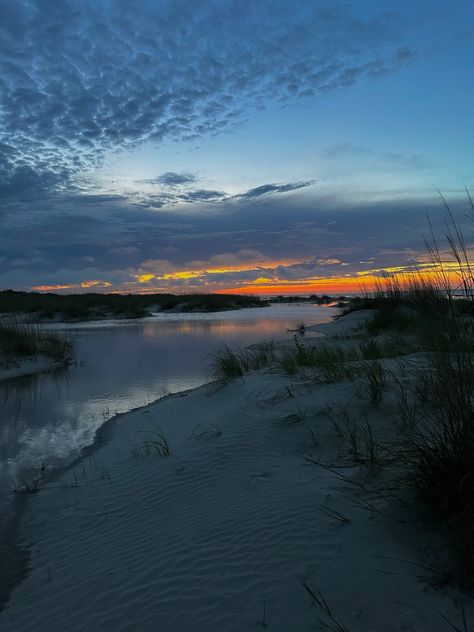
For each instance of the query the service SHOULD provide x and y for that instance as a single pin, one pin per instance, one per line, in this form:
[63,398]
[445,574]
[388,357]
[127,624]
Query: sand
[224,533]
[28,366]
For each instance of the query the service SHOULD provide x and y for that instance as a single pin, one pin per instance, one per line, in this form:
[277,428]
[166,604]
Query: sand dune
[225,532]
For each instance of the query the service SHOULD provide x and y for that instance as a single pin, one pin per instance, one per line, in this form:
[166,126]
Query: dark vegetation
[438,448]
[433,314]
[395,297]
[323,299]
[72,307]
[21,341]
[228,363]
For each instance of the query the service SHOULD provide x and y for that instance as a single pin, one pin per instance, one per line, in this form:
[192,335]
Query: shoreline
[29,368]
[60,320]
[96,313]
[15,558]
[236,495]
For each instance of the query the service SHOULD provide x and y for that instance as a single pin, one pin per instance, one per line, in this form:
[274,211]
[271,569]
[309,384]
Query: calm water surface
[123,364]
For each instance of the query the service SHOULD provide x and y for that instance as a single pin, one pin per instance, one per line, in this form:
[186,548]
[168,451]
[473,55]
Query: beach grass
[228,363]
[434,401]
[328,619]
[375,380]
[437,411]
[19,341]
[330,360]
[155,442]
[439,454]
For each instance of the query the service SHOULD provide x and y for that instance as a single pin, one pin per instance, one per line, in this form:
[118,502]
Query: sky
[260,146]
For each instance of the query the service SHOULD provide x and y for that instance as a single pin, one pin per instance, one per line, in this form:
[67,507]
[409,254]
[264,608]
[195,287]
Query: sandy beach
[23,368]
[237,507]
[236,316]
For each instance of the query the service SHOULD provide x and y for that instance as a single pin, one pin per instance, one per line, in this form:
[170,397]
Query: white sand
[29,366]
[346,324]
[216,536]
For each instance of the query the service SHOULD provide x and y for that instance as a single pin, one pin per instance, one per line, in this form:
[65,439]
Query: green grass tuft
[376,381]
[227,363]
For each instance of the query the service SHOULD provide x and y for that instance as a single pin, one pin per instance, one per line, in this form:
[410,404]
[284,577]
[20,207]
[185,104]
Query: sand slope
[220,534]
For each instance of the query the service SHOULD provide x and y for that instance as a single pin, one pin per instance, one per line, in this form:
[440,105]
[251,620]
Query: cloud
[218,270]
[266,189]
[171,179]
[24,182]
[346,149]
[201,195]
[298,272]
[242,238]
[182,193]
[123,251]
[241,260]
[82,79]
[135,250]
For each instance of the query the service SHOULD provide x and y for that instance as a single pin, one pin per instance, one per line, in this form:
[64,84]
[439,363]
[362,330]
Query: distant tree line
[50,306]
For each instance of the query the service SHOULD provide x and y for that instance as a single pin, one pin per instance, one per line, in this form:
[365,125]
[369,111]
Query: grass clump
[228,363]
[301,328]
[329,619]
[439,453]
[375,381]
[407,409]
[388,318]
[373,349]
[364,448]
[20,341]
[437,411]
[155,443]
[331,361]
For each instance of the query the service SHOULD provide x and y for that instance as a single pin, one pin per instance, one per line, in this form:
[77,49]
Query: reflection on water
[47,419]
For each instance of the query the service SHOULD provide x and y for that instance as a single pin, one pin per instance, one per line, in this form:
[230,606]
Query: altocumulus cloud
[82,78]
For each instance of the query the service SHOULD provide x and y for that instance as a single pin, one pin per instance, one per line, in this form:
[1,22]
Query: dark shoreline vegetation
[19,341]
[316,299]
[47,307]
[417,351]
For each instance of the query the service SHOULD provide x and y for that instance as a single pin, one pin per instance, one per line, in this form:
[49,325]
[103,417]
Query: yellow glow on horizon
[366,280]
[144,278]
[50,288]
[197,273]
[355,282]
[72,286]
[86,284]
[189,274]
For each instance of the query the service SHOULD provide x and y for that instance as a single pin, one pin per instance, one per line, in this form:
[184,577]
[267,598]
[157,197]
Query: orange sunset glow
[213,270]
[333,285]
[266,285]
[83,285]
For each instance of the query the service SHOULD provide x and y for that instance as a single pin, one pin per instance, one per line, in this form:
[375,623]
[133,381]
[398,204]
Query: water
[47,419]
